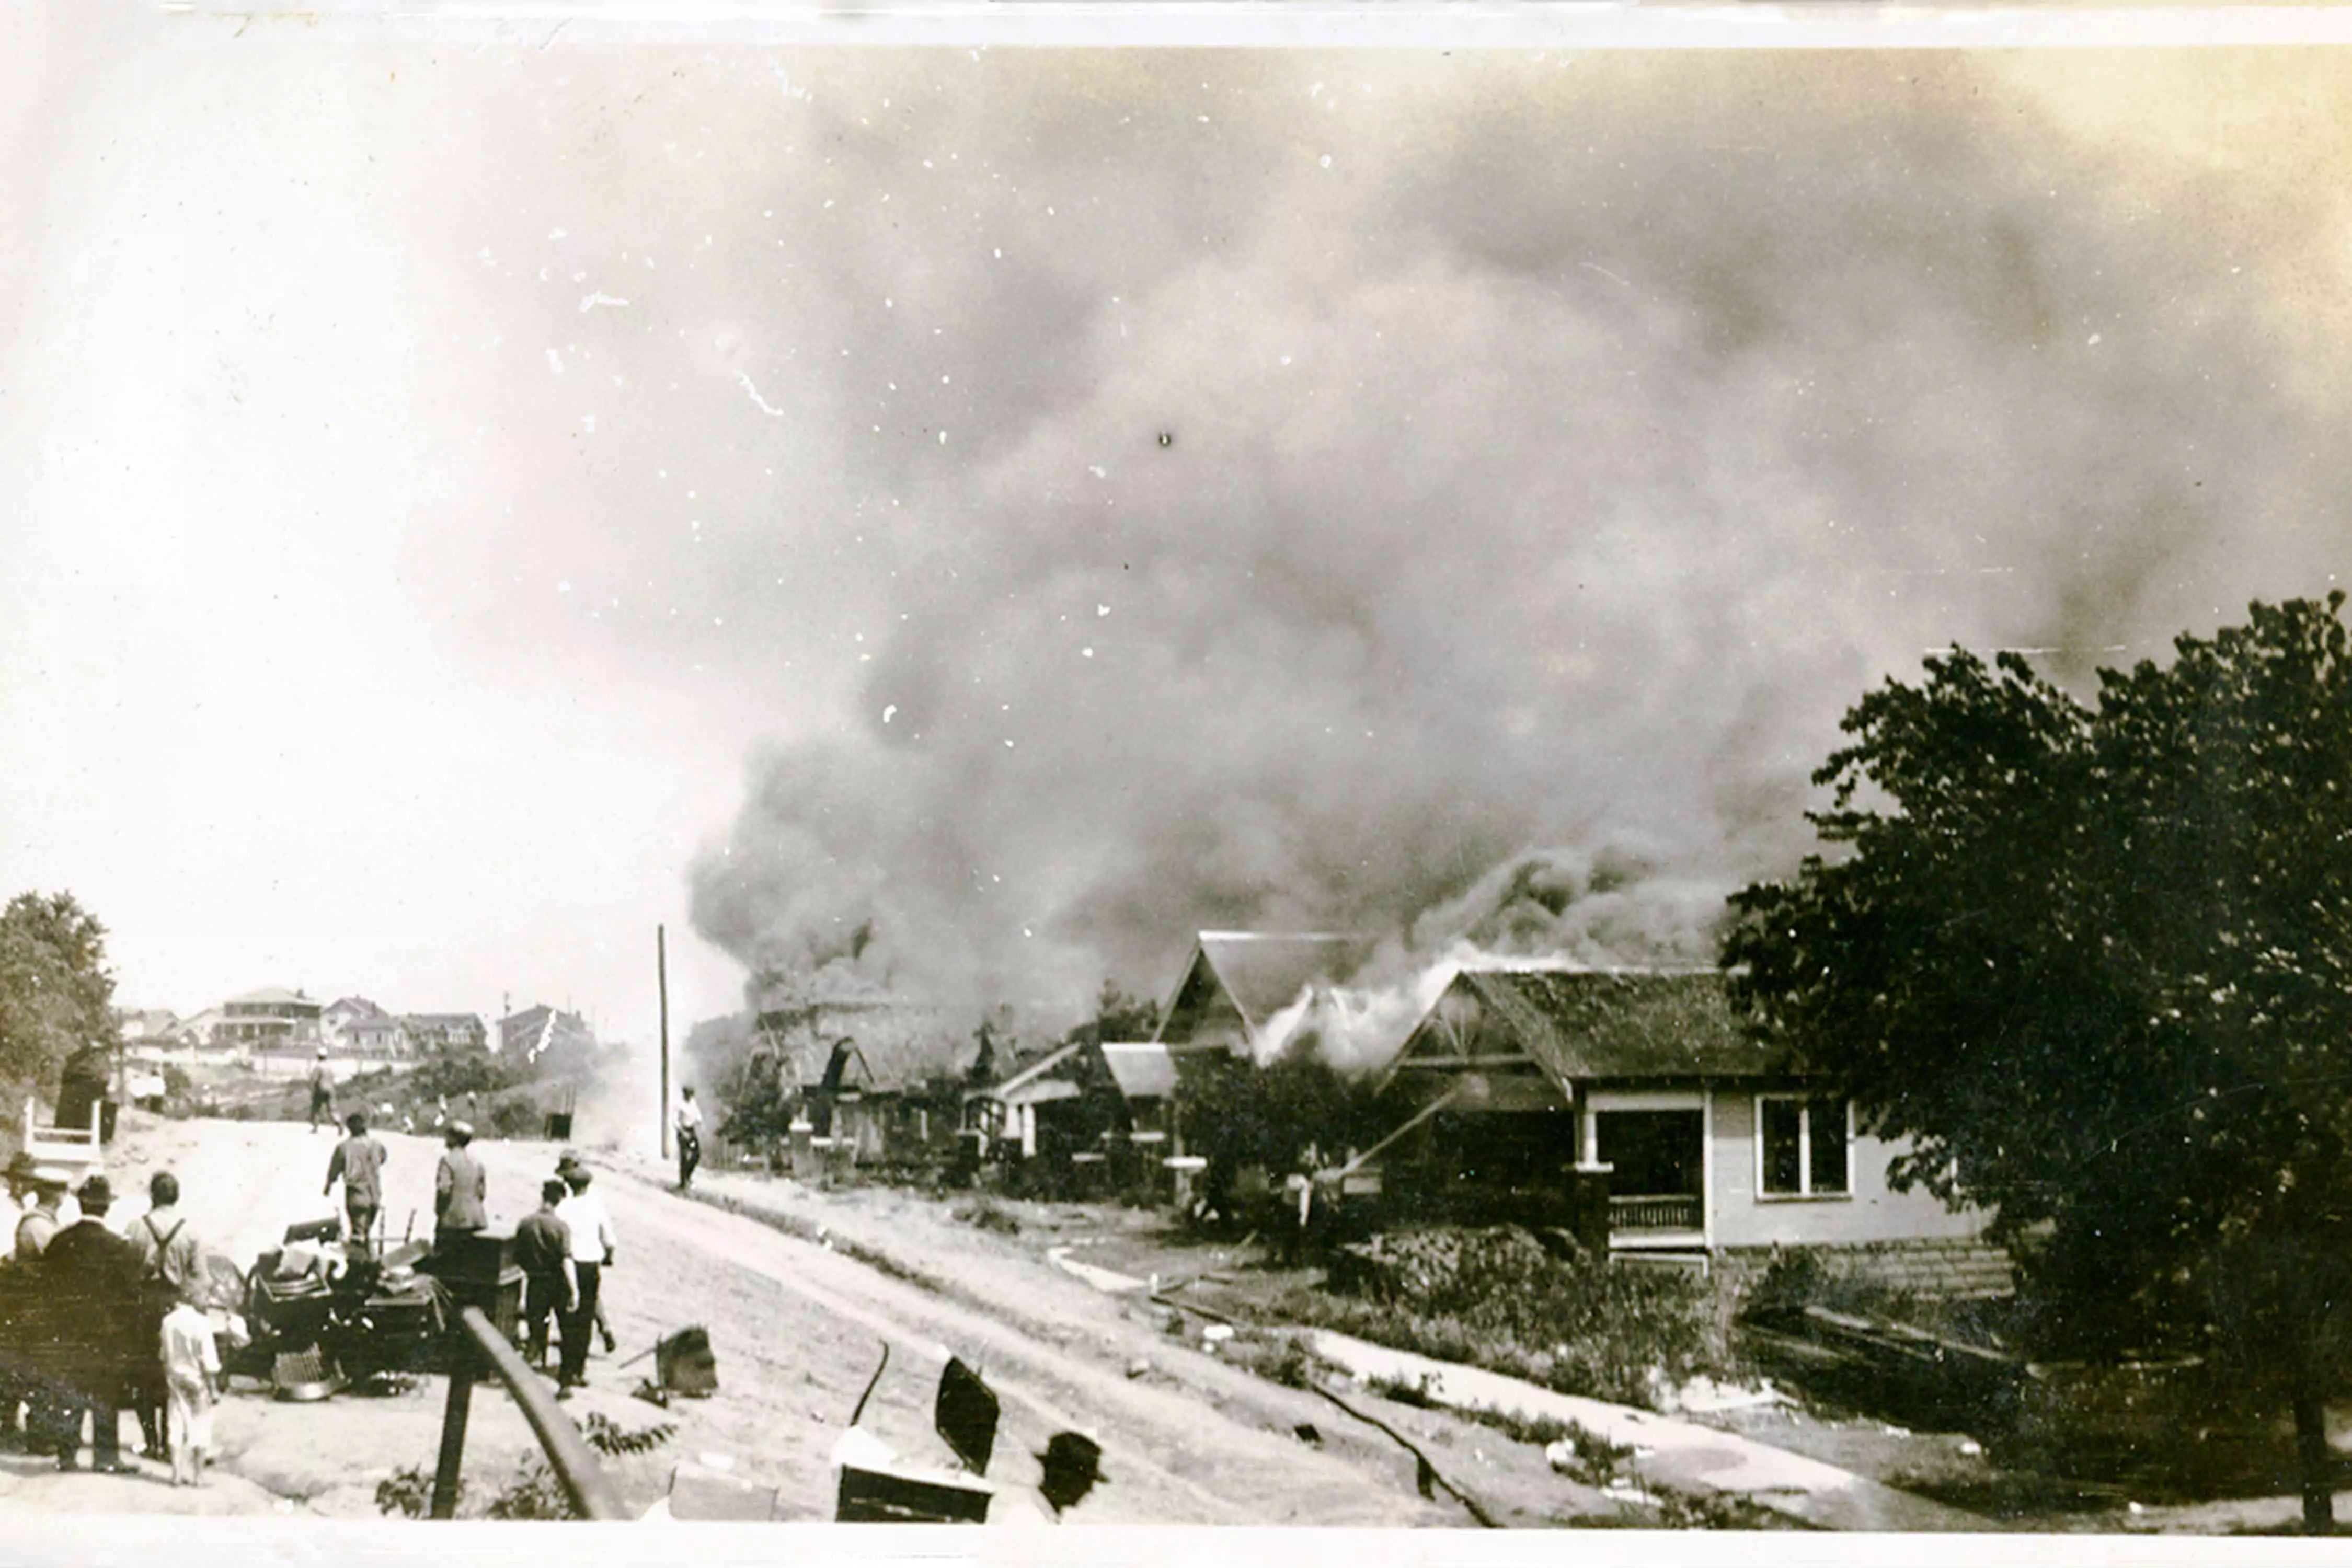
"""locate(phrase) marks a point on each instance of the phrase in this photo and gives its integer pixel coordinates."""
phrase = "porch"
(1653, 1148)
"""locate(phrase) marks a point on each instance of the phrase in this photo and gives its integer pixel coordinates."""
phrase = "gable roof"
(1594, 1025)
(1031, 1073)
(1263, 972)
(1143, 1068)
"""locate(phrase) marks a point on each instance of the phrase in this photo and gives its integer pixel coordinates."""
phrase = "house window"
(1802, 1146)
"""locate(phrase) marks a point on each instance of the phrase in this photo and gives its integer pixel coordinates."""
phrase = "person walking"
(689, 1137)
(190, 1363)
(322, 1091)
(93, 1279)
(460, 1188)
(543, 1250)
(171, 1264)
(358, 1160)
(593, 1251)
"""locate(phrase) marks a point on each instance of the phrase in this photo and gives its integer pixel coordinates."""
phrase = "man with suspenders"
(171, 1262)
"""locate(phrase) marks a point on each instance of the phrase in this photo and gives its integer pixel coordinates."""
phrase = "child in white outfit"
(191, 1363)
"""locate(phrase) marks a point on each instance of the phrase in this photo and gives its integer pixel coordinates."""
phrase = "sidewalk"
(1675, 1454)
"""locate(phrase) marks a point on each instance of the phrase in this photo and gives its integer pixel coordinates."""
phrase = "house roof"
(898, 1045)
(1613, 1024)
(1029, 1075)
(1265, 971)
(442, 1020)
(276, 995)
(358, 1006)
(1143, 1068)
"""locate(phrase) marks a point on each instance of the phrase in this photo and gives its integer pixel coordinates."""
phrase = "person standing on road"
(543, 1250)
(592, 1249)
(322, 1091)
(191, 1362)
(41, 1222)
(460, 1188)
(172, 1265)
(359, 1160)
(689, 1137)
(93, 1279)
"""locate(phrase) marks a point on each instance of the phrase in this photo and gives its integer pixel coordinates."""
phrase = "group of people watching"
(93, 1321)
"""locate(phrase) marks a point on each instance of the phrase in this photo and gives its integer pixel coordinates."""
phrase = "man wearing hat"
(358, 1161)
(460, 1187)
(18, 1306)
(41, 1221)
(1069, 1466)
(93, 1281)
(592, 1246)
(322, 1091)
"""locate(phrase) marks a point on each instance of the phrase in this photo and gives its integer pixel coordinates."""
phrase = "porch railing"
(1677, 1211)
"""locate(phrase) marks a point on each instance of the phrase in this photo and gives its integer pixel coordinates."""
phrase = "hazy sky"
(467, 500)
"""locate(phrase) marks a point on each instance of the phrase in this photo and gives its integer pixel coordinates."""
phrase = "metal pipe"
(574, 1461)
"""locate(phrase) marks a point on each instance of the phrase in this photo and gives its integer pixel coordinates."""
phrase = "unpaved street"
(798, 1329)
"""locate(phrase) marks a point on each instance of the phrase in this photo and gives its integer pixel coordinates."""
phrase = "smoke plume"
(1449, 503)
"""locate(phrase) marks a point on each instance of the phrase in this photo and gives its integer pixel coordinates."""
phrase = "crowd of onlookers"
(93, 1321)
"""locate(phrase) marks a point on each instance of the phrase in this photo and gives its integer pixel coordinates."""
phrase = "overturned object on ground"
(683, 1363)
(965, 1415)
(876, 1487)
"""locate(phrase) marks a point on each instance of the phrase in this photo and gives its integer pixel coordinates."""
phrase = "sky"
(964, 519)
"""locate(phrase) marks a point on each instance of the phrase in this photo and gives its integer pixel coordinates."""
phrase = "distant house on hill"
(357, 1026)
(139, 1025)
(444, 1031)
(533, 1032)
(201, 1030)
(1521, 1087)
(271, 1018)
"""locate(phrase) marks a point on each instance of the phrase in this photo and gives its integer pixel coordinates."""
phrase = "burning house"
(1238, 984)
(879, 1077)
(1085, 1118)
(1635, 1095)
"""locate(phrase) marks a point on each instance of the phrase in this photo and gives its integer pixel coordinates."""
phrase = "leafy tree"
(2096, 961)
(57, 993)
(1237, 1112)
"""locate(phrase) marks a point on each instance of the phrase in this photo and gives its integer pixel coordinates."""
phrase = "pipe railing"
(476, 1341)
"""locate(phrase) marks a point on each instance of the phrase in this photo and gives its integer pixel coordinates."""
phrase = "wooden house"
(1521, 1088)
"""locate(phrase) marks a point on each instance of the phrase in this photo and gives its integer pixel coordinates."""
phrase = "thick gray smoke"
(1451, 501)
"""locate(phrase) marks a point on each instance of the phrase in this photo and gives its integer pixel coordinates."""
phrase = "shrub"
(535, 1493)
(1495, 1299)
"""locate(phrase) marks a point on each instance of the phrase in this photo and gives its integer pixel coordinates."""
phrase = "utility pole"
(661, 977)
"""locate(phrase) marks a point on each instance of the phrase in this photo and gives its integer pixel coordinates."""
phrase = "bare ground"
(798, 1326)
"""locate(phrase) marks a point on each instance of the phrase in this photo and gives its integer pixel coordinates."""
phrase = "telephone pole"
(661, 977)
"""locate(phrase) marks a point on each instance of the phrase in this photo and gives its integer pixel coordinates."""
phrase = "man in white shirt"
(593, 1242)
(689, 1138)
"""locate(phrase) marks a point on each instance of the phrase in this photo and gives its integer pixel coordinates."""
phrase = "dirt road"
(798, 1329)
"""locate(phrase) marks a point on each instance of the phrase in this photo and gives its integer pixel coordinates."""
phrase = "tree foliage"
(57, 993)
(2096, 960)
